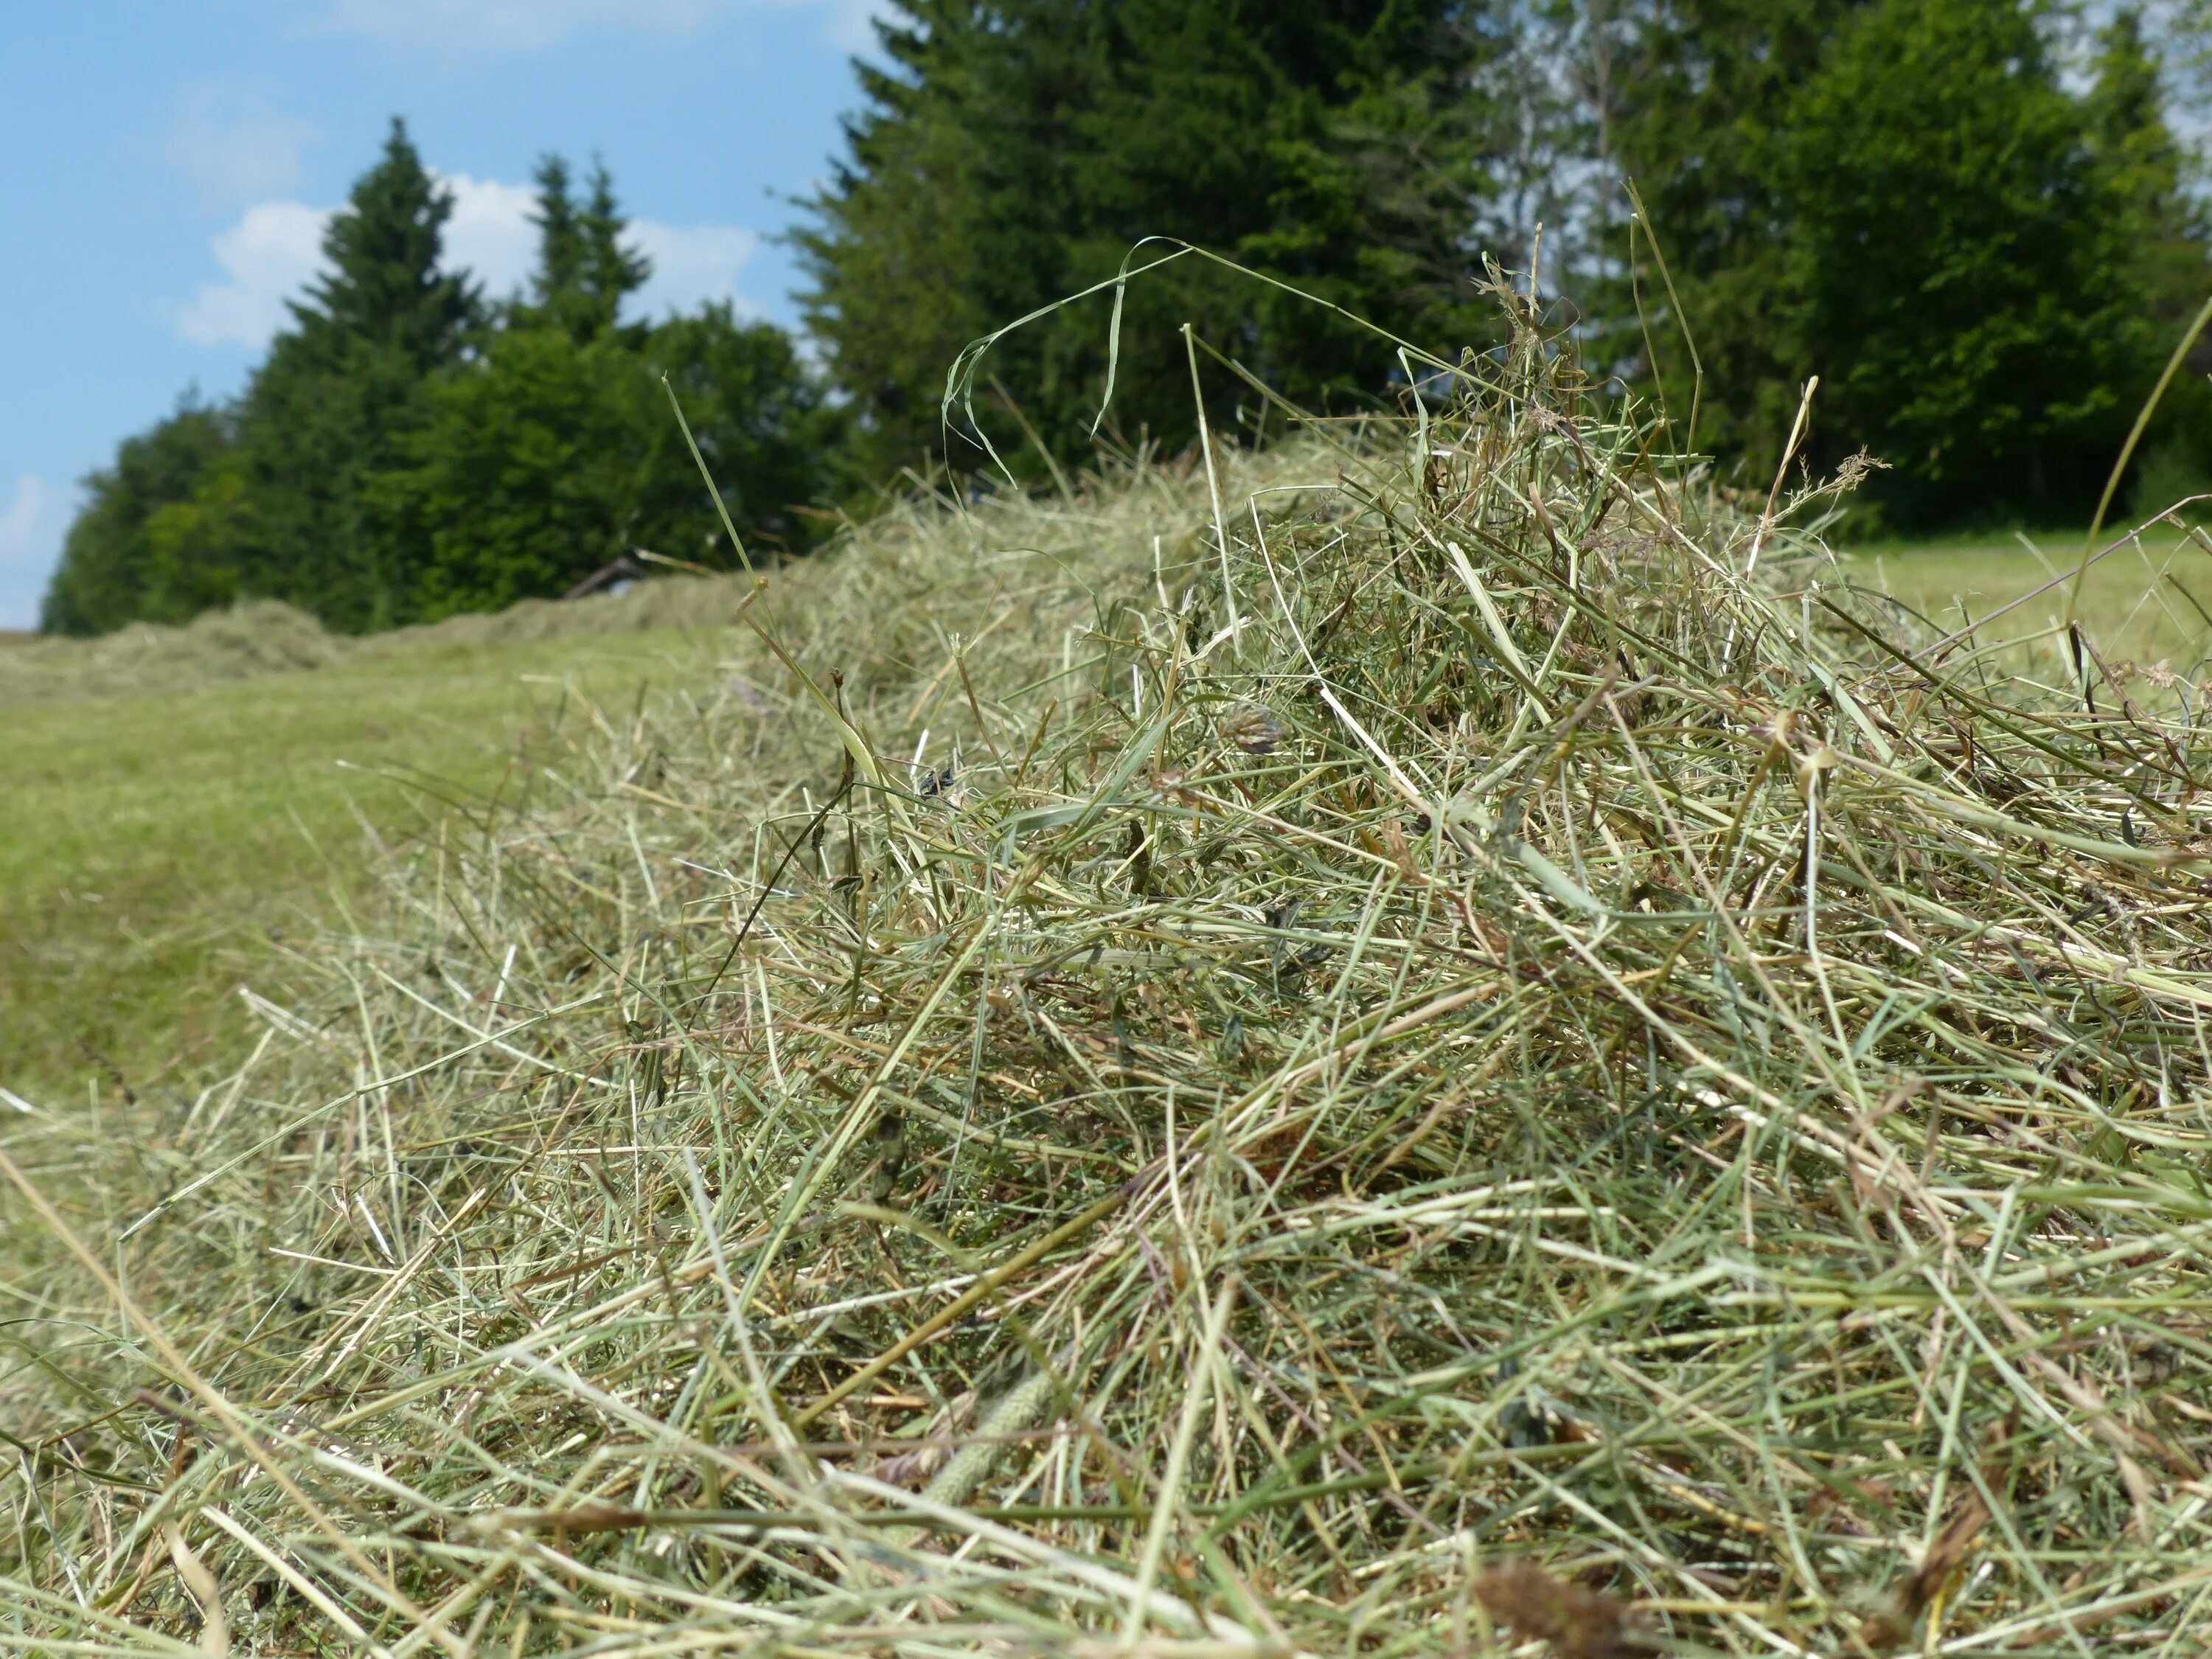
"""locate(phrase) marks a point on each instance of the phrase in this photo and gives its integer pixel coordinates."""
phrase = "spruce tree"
(613, 268)
(1013, 150)
(585, 268)
(387, 287)
(330, 408)
(560, 271)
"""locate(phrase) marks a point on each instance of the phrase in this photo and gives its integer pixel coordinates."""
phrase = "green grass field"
(2139, 604)
(154, 845)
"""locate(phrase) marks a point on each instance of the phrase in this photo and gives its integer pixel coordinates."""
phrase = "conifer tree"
(613, 268)
(1013, 150)
(585, 268)
(400, 455)
(560, 271)
(329, 411)
(386, 287)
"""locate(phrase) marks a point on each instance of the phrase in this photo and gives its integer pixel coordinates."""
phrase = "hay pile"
(1386, 1055)
(259, 637)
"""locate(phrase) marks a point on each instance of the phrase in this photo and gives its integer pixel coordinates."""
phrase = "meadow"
(1273, 1057)
(177, 805)
(2146, 603)
(174, 803)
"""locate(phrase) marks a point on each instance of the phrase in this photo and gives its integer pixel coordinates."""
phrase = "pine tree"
(330, 408)
(392, 460)
(1014, 151)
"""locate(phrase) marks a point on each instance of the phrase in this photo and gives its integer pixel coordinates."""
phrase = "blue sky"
(167, 165)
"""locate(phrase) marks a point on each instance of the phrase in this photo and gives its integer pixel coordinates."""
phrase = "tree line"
(409, 450)
(1972, 218)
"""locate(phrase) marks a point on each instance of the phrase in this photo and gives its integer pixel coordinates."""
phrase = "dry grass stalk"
(1669, 1060)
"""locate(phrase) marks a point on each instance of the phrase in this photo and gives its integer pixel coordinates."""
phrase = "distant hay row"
(265, 637)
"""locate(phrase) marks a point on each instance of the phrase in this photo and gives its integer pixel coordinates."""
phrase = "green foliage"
(402, 453)
(556, 450)
(552, 457)
(762, 427)
(1958, 265)
(108, 574)
(2149, 173)
(1704, 93)
(1014, 151)
(386, 288)
(1904, 198)
(516, 482)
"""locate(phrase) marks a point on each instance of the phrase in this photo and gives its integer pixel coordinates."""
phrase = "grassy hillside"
(1365, 1062)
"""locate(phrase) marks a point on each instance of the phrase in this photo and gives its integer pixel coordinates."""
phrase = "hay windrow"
(1205, 1116)
(260, 637)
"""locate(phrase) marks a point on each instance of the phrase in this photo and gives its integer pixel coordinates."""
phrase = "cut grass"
(151, 843)
(170, 797)
(1199, 1071)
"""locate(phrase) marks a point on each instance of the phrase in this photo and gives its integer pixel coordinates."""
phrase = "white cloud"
(233, 144)
(692, 265)
(30, 542)
(490, 231)
(271, 253)
(851, 23)
(520, 26)
(21, 519)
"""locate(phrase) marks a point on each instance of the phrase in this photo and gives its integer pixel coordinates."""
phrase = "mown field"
(1137, 1075)
(158, 846)
(167, 817)
(2141, 602)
